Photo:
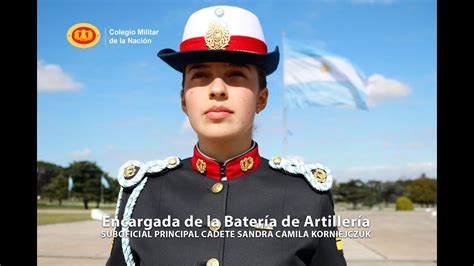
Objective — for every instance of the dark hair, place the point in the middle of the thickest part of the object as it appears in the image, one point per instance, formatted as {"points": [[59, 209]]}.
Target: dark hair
{"points": [[262, 78]]}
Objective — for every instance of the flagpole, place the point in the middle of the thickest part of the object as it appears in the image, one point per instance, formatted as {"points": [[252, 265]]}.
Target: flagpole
{"points": [[285, 137], [285, 122], [101, 193], [68, 190], [101, 189]]}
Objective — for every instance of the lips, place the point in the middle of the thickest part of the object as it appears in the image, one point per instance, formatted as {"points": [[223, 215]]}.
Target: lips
{"points": [[218, 112]]}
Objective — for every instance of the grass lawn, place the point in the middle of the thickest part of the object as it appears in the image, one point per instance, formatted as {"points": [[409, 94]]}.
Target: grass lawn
{"points": [[70, 204], [53, 218]]}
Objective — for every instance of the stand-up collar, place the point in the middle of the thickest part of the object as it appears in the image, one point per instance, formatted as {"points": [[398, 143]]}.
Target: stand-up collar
{"points": [[232, 168]]}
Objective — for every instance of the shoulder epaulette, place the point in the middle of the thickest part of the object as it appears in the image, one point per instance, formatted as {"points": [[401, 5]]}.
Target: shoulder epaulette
{"points": [[318, 175], [132, 172]]}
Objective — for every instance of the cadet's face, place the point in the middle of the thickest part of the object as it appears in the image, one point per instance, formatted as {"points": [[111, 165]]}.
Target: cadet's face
{"points": [[221, 99]]}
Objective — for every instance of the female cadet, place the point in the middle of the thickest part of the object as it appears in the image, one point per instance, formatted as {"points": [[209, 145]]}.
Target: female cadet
{"points": [[224, 62]]}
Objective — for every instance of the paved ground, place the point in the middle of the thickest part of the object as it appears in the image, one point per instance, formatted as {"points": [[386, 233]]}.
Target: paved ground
{"points": [[398, 238]]}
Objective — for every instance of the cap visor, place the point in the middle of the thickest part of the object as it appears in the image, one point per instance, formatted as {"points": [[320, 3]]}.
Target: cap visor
{"points": [[178, 60]]}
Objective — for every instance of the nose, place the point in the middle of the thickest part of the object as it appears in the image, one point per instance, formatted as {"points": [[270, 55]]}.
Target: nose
{"points": [[218, 89]]}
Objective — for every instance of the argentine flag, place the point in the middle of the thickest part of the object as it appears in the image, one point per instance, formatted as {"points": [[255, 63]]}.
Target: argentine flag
{"points": [[70, 184], [104, 182], [316, 78]]}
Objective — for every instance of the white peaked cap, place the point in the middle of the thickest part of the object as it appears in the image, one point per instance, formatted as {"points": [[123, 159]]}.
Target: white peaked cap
{"points": [[240, 22], [223, 34]]}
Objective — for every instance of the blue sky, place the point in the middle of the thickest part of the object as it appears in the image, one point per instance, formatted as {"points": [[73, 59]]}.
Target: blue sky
{"points": [[113, 103]]}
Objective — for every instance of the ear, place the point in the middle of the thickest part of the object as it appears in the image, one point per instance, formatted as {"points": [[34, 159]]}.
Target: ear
{"points": [[262, 99], [183, 103]]}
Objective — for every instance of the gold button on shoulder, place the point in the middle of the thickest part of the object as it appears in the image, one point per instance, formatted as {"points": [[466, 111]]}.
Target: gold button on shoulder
{"points": [[212, 262], [201, 166], [130, 171], [276, 160], [172, 161], [215, 224], [217, 187], [320, 175]]}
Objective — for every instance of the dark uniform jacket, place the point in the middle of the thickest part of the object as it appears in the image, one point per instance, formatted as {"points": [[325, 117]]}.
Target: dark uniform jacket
{"points": [[246, 187]]}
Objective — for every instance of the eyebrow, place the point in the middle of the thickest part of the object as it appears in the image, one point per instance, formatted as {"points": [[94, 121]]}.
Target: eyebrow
{"points": [[240, 65], [203, 66], [198, 66]]}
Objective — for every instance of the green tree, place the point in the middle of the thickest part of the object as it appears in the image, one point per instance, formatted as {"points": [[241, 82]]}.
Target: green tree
{"points": [[336, 196], [353, 192], [44, 174], [423, 190], [373, 191], [391, 190], [56, 189], [111, 194], [86, 176]]}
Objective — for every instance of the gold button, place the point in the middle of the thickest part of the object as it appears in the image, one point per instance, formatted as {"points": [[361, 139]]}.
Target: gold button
{"points": [[276, 160], [320, 175], [212, 262], [130, 171], [215, 224], [172, 161], [217, 187]]}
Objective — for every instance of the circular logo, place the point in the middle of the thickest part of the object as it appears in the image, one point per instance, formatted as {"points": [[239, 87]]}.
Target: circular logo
{"points": [[219, 12], [83, 35]]}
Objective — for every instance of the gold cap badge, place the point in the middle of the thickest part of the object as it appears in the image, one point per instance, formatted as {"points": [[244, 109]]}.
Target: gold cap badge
{"points": [[217, 36]]}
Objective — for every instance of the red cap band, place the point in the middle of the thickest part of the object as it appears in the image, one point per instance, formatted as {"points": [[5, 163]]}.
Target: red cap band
{"points": [[236, 43]]}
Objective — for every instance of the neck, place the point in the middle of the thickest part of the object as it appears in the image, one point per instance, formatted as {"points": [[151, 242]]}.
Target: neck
{"points": [[225, 149]]}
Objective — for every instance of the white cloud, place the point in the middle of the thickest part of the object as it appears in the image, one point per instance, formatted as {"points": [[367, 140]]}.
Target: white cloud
{"points": [[52, 78], [110, 147], [295, 157], [422, 167], [384, 172], [186, 126], [381, 89], [81, 154]]}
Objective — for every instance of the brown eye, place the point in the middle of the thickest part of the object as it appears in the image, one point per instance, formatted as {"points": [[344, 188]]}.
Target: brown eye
{"points": [[237, 74], [198, 75]]}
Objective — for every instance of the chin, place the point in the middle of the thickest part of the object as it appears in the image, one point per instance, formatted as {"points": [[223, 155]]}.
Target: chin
{"points": [[218, 132], [222, 135]]}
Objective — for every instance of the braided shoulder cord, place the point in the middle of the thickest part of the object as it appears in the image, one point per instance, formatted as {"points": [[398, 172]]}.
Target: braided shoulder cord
{"points": [[318, 175], [155, 166]]}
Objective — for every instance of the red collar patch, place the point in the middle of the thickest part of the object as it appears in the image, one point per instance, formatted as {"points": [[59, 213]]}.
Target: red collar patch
{"points": [[233, 168]]}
